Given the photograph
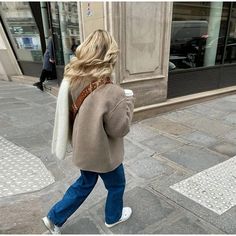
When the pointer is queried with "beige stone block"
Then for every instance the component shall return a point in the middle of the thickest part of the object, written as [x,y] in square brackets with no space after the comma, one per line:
[167,126]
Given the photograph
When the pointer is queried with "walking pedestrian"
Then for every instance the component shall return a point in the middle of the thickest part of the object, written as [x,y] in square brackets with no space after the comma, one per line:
[99,126]
[48,63]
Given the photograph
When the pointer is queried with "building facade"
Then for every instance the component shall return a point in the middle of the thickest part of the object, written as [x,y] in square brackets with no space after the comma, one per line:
[168,50]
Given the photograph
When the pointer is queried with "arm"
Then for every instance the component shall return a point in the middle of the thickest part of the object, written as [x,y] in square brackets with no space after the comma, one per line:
[117,122]
[50,49]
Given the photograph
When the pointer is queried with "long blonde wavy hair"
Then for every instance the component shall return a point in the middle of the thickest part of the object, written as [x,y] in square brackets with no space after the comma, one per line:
[95,57]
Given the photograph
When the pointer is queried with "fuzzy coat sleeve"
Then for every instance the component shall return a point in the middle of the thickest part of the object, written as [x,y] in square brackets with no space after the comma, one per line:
[61,123]
[118,121]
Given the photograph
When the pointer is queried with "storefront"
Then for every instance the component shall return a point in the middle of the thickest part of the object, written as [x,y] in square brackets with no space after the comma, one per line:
[198,39]
[28,26]
[203,47]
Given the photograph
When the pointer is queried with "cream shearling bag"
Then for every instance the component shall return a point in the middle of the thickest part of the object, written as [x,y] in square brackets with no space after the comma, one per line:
[60,137]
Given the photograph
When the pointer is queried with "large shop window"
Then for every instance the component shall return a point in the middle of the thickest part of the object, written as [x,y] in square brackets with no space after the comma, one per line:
[65,26]
[199,33]
[230,53]
[22,30]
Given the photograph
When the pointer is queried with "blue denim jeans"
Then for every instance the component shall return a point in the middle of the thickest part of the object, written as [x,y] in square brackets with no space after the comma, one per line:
[76,194]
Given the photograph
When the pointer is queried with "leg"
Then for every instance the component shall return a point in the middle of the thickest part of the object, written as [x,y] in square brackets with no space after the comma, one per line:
[115,184]
[43,76]
[73,198]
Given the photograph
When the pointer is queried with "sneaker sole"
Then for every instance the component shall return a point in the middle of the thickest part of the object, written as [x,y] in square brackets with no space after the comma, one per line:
[118,222]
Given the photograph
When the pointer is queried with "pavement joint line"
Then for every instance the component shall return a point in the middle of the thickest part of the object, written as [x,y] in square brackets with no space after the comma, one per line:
[173,203]
[173,217]
[173,164]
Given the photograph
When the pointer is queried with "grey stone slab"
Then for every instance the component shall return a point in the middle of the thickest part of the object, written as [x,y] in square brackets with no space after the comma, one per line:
[180,116]
[222,105]
[162,144]
[32,141]
[231,98]
[44,130]
[147,210]
[200,138]
[206,111]
[230,119]
[209,126]
[131,150]
[82,225]
[149,167]
[224,222]
[46,100]
[167,126]
[22,214]
[194,158]
[9,100]
[139,132]
[225,148]
[231,136]
[186,225]
[33,116]
[14,106]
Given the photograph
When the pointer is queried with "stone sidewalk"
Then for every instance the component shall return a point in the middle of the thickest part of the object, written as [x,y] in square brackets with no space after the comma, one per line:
[159,152]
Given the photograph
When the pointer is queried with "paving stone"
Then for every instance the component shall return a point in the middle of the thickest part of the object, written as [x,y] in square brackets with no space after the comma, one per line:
[228,149]
[14,106]
[167,126]
[224,222]
[147,210]
[161,143]
[149,167]
[231,98]
[22,214]
[180,116]
[212,127]
[139,132]
[230,119]
[195,159]
[206,111]
[82,225]
[33,116]
[231,136]
[185,225]
[32,141]
[131,150]
[9,100]
[200,138]
[222,105]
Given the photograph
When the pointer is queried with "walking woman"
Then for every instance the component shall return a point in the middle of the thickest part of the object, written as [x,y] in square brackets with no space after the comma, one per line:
[103,119]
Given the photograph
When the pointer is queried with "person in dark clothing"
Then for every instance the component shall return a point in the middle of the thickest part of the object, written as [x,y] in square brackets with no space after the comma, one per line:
[74,46]
[48,61]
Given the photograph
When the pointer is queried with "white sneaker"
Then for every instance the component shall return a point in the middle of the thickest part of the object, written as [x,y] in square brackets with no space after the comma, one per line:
[126,213]
[50,226]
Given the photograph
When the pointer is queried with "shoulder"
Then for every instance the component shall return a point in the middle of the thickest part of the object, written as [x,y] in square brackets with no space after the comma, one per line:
[114,90]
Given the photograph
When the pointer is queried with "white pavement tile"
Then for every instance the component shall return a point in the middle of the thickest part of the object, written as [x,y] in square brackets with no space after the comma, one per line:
[20,171]
[213,188]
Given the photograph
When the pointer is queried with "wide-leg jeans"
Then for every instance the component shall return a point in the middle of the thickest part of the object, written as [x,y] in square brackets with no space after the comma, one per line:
[76,194]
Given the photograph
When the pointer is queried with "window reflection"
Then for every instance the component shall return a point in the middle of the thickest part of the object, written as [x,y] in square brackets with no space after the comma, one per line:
[22,30]
[230,54]
[65,30]
[198,33]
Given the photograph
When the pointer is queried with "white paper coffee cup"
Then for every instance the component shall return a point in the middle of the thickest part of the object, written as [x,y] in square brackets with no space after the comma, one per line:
[128,93]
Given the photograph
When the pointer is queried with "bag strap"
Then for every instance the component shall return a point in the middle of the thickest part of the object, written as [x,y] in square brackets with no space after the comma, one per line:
[85,92]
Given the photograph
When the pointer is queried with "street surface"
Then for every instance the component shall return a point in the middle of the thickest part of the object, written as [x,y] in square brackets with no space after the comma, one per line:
[174,163]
